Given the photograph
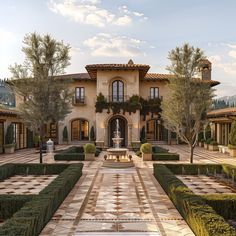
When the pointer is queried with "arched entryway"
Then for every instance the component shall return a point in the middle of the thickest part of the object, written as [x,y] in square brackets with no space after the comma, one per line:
[123,130]
[154,130]
[79,130]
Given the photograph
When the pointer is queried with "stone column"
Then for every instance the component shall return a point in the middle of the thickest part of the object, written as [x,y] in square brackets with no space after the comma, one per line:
[218,134]
[130,135]
[169,137]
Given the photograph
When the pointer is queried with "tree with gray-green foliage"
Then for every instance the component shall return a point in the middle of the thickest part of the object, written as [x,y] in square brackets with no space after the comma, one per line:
[232,135]
[46,96]
[189,98]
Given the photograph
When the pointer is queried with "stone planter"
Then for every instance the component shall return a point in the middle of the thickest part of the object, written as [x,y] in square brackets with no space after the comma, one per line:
[213,147]
[201,144]
[89,157]
[205,145]
[232,152]
[9,150]
[147,157]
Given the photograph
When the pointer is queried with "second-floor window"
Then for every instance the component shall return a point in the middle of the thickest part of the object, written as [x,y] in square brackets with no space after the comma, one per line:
[117,91]
[154,92]
[79,95]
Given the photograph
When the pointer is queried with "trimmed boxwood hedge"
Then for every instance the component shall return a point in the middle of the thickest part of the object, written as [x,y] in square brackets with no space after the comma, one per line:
[35,214]
[9,204]
[224,205]
[165,156]
[201,217]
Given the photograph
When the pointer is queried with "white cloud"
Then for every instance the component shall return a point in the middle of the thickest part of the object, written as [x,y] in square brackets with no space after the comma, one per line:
[114,46]
[215,59]
[124,20]
[89,12]
[124,9]
[231,46]
[232,53]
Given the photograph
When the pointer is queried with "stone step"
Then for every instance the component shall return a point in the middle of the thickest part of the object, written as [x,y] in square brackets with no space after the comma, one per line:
[118,234]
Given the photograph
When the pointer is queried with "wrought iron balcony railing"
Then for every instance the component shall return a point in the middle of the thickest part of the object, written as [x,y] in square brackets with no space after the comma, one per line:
[79,101]
[117,98]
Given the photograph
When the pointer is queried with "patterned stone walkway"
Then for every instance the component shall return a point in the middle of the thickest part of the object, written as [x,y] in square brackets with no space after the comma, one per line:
[112,201]
[118,202]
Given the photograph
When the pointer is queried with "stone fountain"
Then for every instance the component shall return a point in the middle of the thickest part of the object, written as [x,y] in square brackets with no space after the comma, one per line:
[117,157]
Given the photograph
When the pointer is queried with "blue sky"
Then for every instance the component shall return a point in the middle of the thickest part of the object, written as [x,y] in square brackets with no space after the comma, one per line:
[105,31]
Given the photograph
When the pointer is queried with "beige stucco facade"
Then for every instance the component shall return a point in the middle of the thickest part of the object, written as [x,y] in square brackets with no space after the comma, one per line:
[114,81]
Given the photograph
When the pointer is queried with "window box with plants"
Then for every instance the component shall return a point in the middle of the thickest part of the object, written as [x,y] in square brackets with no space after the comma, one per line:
[9,146]
[232,140]
[213,146]
[146,150]
[89,150]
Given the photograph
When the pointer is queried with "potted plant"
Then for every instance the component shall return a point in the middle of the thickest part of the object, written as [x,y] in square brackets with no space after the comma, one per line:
[65,135]
[92,134]
[89,150]
[213,146]
[232,140]
[208,141]
[36,141]
[146,149]
[201,142]
[9,146]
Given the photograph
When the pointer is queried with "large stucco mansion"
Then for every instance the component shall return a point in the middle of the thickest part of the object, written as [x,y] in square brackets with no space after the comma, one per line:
[115,84]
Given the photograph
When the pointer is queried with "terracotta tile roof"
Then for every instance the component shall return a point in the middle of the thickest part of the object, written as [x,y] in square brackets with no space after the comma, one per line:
[92,69]
[76,76]
[166,77]
[8,112]
[222,112]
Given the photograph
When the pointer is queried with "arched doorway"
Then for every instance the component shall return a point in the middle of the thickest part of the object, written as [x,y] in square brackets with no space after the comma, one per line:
[79,130]
[123,130]
[154,130]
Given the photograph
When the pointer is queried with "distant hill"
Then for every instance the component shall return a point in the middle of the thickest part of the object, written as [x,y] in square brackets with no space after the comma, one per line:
[223,102]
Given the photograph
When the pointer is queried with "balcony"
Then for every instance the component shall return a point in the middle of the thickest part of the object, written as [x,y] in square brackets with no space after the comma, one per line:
[117,98]
[155,98]
[80,101]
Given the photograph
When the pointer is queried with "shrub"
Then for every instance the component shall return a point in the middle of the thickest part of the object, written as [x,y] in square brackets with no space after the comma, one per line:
[92,134]
[157,149]
[89,148]
[165,156]
[232,134]
[146,148]
[203,140]
[34,215]
[65,134]
[209,140]
[74,153]
[143,135]
[9,138]
[202,219]
[214,143]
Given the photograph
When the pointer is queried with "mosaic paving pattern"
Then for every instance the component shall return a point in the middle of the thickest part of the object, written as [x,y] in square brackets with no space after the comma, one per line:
[30,184]
[117,202]
[202,184]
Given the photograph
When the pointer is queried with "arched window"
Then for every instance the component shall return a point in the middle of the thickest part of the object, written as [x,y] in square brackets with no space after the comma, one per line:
[79,130]
[117,91]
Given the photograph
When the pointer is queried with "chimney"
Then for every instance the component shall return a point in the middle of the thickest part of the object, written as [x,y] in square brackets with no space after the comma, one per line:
[204,69]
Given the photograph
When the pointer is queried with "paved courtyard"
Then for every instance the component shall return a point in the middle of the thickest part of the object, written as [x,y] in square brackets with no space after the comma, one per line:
[119,201]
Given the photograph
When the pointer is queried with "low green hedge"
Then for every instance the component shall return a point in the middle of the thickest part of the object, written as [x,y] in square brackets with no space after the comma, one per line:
[201,217]
[9,204]
[165,156]
[224,205]
[194,169]
[69,157]
[157,149]
[35,214]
